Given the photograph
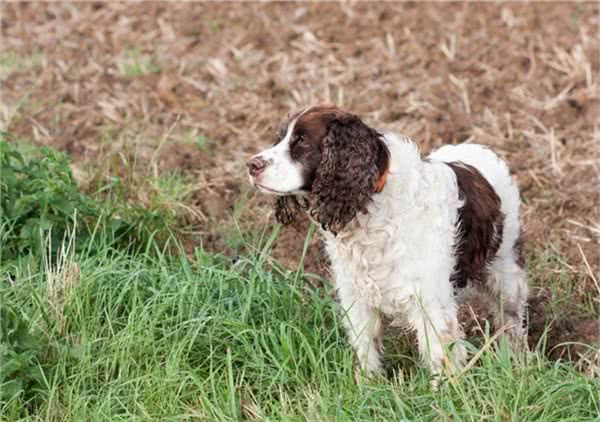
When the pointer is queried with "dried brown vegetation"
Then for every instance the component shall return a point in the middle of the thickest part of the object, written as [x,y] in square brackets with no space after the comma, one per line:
[199,87]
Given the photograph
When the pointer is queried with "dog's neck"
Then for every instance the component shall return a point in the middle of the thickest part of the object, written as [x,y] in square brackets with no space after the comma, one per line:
[404,154]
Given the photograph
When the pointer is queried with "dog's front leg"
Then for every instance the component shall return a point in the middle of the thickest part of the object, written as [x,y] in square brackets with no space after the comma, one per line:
[438,332]
[363,326]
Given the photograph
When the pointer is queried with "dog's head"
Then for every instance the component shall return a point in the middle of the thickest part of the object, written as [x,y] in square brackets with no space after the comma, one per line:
[329,154]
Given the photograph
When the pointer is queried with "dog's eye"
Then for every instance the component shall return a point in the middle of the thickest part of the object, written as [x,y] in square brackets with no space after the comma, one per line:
[298,146]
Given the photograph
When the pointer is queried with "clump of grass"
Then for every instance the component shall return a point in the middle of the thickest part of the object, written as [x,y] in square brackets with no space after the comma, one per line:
[40,199]
[155,204]
[550,271]
[215,25]
[199,140]
[135,63]
[37,195]
[11,61]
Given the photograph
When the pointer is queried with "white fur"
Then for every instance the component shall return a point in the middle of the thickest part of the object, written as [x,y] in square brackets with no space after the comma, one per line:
[397,259]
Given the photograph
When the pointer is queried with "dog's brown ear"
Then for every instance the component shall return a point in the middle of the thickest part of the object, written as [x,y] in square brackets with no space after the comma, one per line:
[286,209]
[354,159]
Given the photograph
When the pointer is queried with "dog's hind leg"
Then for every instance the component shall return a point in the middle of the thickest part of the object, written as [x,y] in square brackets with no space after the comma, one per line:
[507,284]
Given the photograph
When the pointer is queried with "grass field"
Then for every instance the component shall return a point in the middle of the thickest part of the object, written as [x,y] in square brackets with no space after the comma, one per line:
[171,339]
[99,324]
[142,279]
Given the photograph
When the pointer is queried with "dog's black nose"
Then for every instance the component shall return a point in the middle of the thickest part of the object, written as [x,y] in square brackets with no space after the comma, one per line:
[256,165]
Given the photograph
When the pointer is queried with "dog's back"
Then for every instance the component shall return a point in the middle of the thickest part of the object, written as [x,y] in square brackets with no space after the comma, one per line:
[506,274]
[496,172]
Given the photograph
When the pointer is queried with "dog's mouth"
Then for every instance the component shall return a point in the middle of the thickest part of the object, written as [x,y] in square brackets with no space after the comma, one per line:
[265,189]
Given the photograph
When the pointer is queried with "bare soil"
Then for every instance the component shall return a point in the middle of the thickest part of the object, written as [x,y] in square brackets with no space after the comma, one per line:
[197,88]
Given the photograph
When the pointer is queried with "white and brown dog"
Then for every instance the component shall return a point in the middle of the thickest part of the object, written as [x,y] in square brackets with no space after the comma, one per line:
[405,235]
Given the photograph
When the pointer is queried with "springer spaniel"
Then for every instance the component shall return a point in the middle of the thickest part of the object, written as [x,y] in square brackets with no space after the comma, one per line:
[405,235]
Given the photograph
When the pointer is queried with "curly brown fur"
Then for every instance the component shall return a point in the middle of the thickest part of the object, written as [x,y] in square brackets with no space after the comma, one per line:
[353,157]
[288,207]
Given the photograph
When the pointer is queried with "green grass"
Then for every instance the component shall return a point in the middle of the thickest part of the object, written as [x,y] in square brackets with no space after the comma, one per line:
[109,331]
[135,63]
[202,338]
[199,140]
[39,197]
[549,270]
[11,61]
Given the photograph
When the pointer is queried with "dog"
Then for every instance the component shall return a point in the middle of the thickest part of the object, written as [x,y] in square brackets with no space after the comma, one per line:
[405,235]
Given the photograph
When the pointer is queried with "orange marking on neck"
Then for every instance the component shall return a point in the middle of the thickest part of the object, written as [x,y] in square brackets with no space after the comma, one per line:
[380,183]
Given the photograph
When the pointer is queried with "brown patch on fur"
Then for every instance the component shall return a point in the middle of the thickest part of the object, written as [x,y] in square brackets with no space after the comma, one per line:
[343,159]
[519,249]
[480,224]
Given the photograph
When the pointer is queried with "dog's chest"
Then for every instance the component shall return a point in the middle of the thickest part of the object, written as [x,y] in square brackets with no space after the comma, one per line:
[391,253]
[385,261]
